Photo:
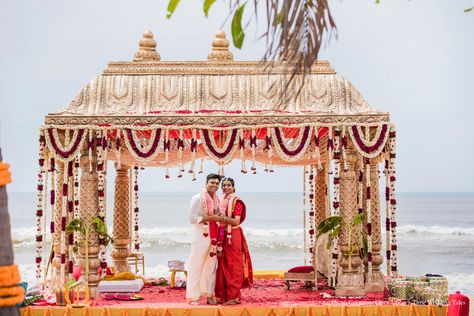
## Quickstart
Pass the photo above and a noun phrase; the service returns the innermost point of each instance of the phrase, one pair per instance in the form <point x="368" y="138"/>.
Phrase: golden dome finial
<point x="220" y="48"/>
<point x="147" y="48"/>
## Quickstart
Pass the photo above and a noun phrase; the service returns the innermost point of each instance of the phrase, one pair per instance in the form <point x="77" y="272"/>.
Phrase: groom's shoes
<point x="194" y="303"/>
<point x="210" y="301"/>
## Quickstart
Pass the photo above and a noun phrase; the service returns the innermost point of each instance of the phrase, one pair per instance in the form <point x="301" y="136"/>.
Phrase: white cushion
<point x="121" y="285"/>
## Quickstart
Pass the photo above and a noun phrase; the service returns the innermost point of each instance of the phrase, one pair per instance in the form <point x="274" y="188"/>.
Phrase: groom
<point x="203" y="215"/>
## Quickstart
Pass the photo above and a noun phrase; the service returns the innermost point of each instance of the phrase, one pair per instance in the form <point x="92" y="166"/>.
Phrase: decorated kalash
<point x="176" y="115"/>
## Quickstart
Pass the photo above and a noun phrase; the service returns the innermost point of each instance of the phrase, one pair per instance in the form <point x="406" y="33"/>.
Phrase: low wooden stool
<point x="307" y="278"/>
<point x="173" y="275"/>
<point x="137" y="258"/>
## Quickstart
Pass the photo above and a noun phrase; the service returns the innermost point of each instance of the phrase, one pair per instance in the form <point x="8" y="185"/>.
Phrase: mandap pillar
<point x="350" y="278"/>
<point x="375" y="281"/>
<point x="88" y="209"/>
<point x="121" y="244"/>
<point x="321" y="252"/>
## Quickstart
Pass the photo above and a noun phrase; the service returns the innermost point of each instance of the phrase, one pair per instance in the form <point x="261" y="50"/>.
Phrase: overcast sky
<point x="413" y="59"/>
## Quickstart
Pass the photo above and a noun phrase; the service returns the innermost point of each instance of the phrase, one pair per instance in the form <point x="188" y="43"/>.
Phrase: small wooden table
<point x="307" y="278"/>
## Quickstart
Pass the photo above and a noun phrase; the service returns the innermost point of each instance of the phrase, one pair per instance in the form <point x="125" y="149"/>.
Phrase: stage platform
<point x="264" y="298"/>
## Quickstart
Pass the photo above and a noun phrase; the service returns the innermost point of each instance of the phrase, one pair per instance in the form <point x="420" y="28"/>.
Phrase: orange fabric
<point x="5" y="175"/>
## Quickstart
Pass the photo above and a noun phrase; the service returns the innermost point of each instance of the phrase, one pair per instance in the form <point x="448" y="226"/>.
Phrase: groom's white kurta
<point x="201" y="279"/>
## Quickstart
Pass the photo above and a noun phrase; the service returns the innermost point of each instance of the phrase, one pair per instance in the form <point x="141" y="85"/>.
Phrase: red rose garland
<point x="305" y="171"/>
<point x="70" y="216"/>
<point x="297" y="149"/>
<point x="312" y="212"/>
<point x="253" y="147"/>
<point x="241" y="150"/>
<point x="39" y="208"/>
<point x="143" y="153"/>
<point x="70" y="148"/>
<point x="369" y="217"/>
<point x="387" y="210"/>
<point x="52" y="196"/>
<point x="136" y="237"/>
<point x="193" y="148"/>
<point x="223" y="154"/>
<point x="364" y="145"/>
<point x="180" y="146"/>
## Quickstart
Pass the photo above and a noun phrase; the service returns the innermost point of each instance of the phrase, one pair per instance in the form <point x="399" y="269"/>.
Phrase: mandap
<point x="153" y="113"/>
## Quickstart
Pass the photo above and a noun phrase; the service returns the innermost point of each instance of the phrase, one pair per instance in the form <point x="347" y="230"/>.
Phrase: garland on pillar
<point x="76" y="187"/>
<point x="52" y="199"/>
<point x="70" y="216"/>
<point x="64" y="241"/>
<point x="118" y="144"/>
<point x="193" y="153"/>
<point x="369" y="217"/>
<point x="136" y="237"/>
<point x="336" y="199"/>
<point x="317" y="150"/>
<point x="305" y="171"/>
<point x="101" y="174"/>
<point x="269" y="148"/>
<point x="253" y="147"/>
<point x="241" y="150"/>
<point x="387" y="211"/>
<point x="39" y="209"/>
<point x="344" y="147"/>
<point x="312" y="212"/>
<point x="393" y="202"/>
<point x="180" y="146"/>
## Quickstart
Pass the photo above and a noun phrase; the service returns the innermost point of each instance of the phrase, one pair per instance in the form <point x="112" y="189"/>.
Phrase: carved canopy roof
<point x="217" y="91"/>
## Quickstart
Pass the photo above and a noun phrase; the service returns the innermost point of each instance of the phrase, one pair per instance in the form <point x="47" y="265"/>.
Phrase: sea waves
<point x="258" y="238"/>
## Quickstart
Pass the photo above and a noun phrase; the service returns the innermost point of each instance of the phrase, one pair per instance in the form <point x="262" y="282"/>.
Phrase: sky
<point x="413" y="59"/>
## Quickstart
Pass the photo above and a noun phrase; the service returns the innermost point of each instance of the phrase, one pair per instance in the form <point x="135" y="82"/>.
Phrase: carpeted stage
<point x="264" y="298"/>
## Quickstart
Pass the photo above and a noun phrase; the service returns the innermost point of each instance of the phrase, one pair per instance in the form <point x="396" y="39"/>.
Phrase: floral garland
<point x="364" y="145"/>
<point x="317" y="150"/>
<point x="193" y="148"/>
<point x="241" y="150"/>
<point x="136" y="237"/>
<point x="70" y="216"/>
<point x="305" y="171"/>
<point x="297" y="149"/>
<point x="330" y="145"/>
<point x="269" y="149"/>
<point x="70" y="149"/>
<point x="336" y="200"/>
<point x="101" y="174"/>
<point x="393" y="203"/>
<point x="39" y="209"/>
<point x="76" y="187"/>
<point x="253" y="148"/>
<point x="180" y="146"/>
<point x="143" y="153"/>
<point x="344" y="147"/>
<point x="369" y="217"/>
<point x="118" y="148"/>
<point x="312" y="212"/>
<point x="387" y="211"/>
<point x="64" y="240"/>
<point x="223" y="154"/>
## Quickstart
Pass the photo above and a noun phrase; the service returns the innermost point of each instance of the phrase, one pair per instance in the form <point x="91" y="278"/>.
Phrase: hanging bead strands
<point x="52" y="198"/>
<point x="387" y="210"/>
<point x="39" y="208"/>
<point x="317" y="151"/>
<point x="76" y="187"/>
<point x="344" y="147"/>
<point x="336" y="200"/>
<point x="70" y="216"/>
<point x="393" y="203"/>
<point x="136" y="237"/>
<point x="269" y="148"/>
<point x="64" y="241"/>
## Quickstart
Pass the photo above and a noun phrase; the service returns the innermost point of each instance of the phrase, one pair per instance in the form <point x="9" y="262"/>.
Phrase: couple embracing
<point x="220" y="262"/>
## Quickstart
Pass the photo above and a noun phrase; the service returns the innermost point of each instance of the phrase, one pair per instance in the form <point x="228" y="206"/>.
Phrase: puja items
<point x="429" y="289"/>
<point x="176" y="265"/>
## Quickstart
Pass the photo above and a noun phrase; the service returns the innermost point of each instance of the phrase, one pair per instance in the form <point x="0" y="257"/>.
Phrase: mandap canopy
<point x="154" y="113"/>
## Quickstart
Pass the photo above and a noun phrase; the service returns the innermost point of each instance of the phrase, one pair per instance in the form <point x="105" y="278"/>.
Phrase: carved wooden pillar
<point x="375" y="283"/>
<point x="350" y="279"/>
<point x="88" y="209"/>
<point x="322" y="197"/>
<point x="58" y="203"/>
<point x="121" y="244"/>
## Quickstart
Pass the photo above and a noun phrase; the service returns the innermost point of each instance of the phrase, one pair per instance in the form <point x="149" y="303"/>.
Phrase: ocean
<point x="435" y="232"/>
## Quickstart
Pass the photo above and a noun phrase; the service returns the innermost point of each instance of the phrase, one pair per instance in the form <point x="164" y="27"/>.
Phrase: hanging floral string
<point x="312" y="212"/>
<point x="136" y="237"/>
<point x="269" y="148"/>
<point x="253" y="147"/>
<point x="330" y="145"/>
<point x="90" y="147"/>
<point x="180" y="146"/>
<point x="344" y="147"/>
<point x="360" y="193"/>
<point x="387" y="210"/>
<point x="52" y="196"/>
<point x="336" y="199"/>
<point x="193" y="153"/>
<point x="70" y="216"/>
<point x="369" y="217"/>
<point x="118" y="146"/>
<point x="101" y="174"/>
<point x="64" y="213"/>
<point x="39" y="209"/>
<point x="304" y="212"/>
<point x="76" y="187"/>
<point x="241" y="150"/>
<point x="393" y="203"/>
<point x="317" y="151"/>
